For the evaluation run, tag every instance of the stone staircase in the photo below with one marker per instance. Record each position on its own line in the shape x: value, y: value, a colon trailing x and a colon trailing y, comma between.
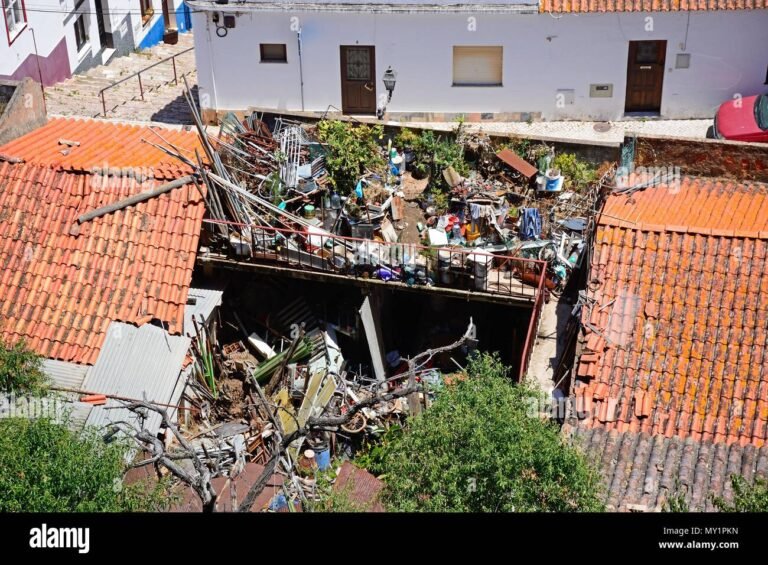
x: 163, y: 100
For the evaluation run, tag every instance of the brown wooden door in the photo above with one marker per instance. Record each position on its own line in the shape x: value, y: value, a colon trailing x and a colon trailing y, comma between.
x: 358, y: 79
x: 645, y: 75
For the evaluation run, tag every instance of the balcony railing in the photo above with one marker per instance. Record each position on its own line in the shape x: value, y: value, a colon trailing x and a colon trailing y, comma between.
x: 459, y: 268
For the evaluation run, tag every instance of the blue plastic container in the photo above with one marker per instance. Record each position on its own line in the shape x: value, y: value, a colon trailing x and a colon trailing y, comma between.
x: 323, y: 459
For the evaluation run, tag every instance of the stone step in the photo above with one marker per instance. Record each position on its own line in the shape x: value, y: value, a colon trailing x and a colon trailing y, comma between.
x: 163, y: 99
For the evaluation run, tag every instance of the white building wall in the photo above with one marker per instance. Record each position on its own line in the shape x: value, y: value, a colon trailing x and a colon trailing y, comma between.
x: 542, y: 54
x: 53, y: 24
x: 47, y: 23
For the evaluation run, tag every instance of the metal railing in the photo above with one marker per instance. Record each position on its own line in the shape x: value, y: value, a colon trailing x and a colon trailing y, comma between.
x: 474, y: 270
x: 137, y: 74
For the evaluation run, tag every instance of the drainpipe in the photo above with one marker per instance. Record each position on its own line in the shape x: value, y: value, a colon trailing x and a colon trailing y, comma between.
x: 301, y: 69
x: 39, y: 70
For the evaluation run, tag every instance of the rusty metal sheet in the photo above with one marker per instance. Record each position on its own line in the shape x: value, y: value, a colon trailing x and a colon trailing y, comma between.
x: 518, y: 163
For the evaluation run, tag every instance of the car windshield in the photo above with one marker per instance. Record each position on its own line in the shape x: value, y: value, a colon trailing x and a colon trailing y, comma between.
x: 761, y: 111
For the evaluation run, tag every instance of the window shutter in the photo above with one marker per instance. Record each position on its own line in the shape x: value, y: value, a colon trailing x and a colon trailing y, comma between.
x: 479, y: 66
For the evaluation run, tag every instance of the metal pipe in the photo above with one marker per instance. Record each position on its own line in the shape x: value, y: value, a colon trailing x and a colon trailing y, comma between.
x: 301, y: 69
x: 39, y: 69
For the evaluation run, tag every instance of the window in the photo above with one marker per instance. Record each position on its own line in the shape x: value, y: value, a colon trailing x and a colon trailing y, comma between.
x: 273, y: 53
x: 477, y: 66
x: 146, y: 11
x: 81, y: 32
x: 15, y: 16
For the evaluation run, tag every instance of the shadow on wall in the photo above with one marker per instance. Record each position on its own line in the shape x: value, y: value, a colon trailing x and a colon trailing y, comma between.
x: 177, y: 111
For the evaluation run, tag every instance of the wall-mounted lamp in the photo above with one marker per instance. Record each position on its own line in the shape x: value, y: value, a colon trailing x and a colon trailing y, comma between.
x: 390, y: 79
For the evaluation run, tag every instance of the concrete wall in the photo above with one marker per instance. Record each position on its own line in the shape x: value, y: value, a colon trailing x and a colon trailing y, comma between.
x: 23, y: 108
x: 542, y: 54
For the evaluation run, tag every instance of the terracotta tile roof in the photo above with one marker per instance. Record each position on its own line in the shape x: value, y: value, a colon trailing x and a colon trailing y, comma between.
x: 104, y: 145
x: 677, y: 332
x: 598, y: 6
x: 641, y: 472
x: 362, y: 488
x: 59, y: 291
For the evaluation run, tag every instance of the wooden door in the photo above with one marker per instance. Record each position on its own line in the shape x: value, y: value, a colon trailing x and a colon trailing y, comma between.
x: 645, y: 75
x: 358, y: 79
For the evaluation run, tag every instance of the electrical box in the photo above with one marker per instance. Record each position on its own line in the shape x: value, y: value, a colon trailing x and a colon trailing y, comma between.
x: 601, y: 91
x: 229, y: 22
x: 683, y: 61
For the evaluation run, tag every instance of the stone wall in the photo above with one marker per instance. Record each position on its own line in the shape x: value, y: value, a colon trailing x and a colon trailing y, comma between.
x: 24, y: 108
x: 705, y: 157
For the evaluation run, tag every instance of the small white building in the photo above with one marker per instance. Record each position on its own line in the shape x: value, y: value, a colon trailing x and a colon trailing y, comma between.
x: 49, y: 40
x: 499, y: 60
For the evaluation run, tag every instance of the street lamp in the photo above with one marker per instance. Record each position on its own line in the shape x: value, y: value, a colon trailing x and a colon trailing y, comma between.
x: 390, y: 78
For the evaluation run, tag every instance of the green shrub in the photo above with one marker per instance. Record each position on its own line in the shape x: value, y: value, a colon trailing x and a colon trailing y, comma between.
x: 439, y: 153
x: 48, y: 468
x: 20, y: 370
x: 353, y: 149
x: 578, y: 174
x: 478, y: 448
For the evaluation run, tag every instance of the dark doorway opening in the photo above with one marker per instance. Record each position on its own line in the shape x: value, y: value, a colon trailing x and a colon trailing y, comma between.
x: 105, y: 38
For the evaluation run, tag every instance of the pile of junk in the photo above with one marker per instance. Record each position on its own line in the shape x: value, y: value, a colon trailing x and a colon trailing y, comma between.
x: 275, y: 404
x: 270, y: 199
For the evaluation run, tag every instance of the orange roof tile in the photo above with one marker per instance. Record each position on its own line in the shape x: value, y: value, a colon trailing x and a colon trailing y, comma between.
x: 684, y: 320
x: 105, y: 145
x: 601, y: 6
x: 58, y: 291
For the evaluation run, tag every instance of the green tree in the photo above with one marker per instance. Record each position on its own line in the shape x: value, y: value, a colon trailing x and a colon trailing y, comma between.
x: 46, y: 467
x: 746, y: 497
x: 20, y: 370
x: 478, y: 449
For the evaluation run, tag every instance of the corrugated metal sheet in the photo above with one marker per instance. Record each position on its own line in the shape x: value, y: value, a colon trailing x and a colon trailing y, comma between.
x: 206, y: 302
x: 78, y: 414
x: 64, y: 374
x: 138, y: 363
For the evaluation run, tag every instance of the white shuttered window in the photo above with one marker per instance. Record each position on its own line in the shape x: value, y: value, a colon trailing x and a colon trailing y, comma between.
x: 477, y: 66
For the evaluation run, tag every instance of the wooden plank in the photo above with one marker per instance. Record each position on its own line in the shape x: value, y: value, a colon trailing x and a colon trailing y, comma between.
x: 518, y: 163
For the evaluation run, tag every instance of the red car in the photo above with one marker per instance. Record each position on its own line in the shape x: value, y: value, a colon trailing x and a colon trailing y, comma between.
x: 742, y: 119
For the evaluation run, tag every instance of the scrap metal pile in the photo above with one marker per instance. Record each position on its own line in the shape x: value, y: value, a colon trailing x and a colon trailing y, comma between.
x: 297, y: 406
x: 270, y: 199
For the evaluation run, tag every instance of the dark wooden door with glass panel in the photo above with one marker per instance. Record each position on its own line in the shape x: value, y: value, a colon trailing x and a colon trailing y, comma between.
x: 358, y: 82
x: 645, y: 75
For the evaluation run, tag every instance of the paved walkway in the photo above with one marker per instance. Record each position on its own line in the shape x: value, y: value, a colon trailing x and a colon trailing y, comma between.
x: 163, y: 100
x: 550, y: 342
x: 585, y: 131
